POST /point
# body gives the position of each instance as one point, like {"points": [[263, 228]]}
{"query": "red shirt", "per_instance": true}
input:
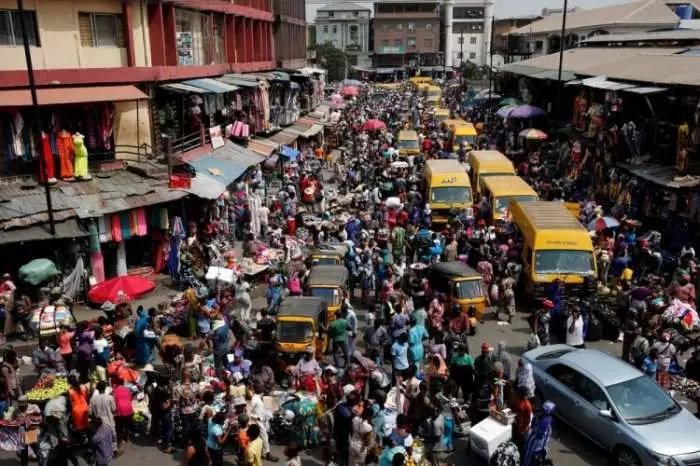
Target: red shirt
{"points": [[523, 413]]}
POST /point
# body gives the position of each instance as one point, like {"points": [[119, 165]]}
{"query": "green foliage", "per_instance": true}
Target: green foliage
{"points": [[332, 59]]}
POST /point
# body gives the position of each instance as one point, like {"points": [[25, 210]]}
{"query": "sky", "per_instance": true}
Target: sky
{"points": [[504, 8]]}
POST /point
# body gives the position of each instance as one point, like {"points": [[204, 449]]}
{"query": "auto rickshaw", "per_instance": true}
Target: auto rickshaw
{"points": [[328, 254], [300, 324], [328, 282], [461, 285]]}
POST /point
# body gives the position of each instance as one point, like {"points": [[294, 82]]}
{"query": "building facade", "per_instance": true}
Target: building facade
{"points": [[467, 35], [346, 26], [290, 33], [407, 34]]}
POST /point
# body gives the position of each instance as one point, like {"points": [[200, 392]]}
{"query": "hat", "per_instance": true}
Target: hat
{"points": [[237, 376], [108, 306], [202, 292], [22, 400], [6, 276], [239, 401], [485, 346], [331, 369], [548, 304], [309, 349], [148, 368], [348, 389]]}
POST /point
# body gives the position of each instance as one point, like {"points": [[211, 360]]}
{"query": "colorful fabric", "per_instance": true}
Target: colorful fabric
{"points": [[81, 156], [141, 222], [66, 152], [104, 227], [116, 226], [125, 225]]}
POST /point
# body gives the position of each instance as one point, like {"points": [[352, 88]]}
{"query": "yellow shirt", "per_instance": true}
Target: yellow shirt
{"points": [[253, 456]]}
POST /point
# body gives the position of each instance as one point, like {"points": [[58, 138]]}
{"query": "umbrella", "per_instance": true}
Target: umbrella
{"points": [[352, 82], [602, 223], [289, 153], [120, 289], [37, 271], [350, 91], [526, 111], [373, 125], [504, 112], [533, 134], [509, 101]]}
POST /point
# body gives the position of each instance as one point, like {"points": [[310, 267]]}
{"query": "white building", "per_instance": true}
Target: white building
{"points": [[544, 36], [346, 25], [467, 31]]}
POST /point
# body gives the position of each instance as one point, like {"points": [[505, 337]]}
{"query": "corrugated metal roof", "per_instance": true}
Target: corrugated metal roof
{"points": [[183, 88], [211, 85], [601, 82], [672, 35], [285, 137], [238, 81], [652, 13], [263, 146], [67, 229], [70, 95]]}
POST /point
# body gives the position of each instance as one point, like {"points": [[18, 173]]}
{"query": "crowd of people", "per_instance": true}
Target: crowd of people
{"points": [[402, 379]]}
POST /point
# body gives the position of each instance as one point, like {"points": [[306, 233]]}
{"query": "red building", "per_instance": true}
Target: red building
{"points": [[290, 33]]}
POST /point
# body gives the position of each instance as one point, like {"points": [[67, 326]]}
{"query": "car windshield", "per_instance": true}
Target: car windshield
{"points": [[328, 295], [451, 194], [641, 401], [325, 261], [564, 261], [294, 332], [503, 202], [465, 139], [408, 144], [469, 289]]}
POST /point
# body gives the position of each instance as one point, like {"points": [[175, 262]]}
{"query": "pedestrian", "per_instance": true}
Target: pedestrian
{"points": [[574, 329], [196, 452], [291, 453], [665, 351], [525, 380], [217, 436], [102, 442], [399, 358], [537, 443], [102, 406], [123, 412], [339, 333], [523, 416], [254, 453]]}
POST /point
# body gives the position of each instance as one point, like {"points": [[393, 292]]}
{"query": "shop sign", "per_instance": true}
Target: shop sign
{"points": [[391, 50], [185, 52]]}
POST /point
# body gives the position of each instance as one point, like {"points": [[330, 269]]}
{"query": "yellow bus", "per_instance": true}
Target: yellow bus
{"points": [[501, 190], [488, 163], [420, 81], [442, 114], [463, 134], [408, 142], [447, 188], [555, 245]]}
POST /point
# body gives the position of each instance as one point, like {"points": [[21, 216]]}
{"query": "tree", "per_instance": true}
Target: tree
{"points": [[332, 59]]}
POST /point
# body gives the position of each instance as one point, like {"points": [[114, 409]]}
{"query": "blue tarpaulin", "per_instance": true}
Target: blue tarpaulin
{"points": [[289, 153]]}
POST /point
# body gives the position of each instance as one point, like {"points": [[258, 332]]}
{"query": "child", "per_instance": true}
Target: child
{"points": [[649, 364]]}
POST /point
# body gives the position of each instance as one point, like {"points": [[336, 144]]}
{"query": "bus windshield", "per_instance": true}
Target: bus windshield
{"points": [[564, 262], [459, 194]]}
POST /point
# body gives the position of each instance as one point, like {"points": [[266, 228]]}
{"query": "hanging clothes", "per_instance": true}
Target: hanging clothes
{"points": [[104, 228], [47, 156], [66, 153], [106, 122], [141, 222], [125, 226], [94, 238], [18, 146], [97, 265], [81, 157], [121, 259], [116, 227], [133, 222]]}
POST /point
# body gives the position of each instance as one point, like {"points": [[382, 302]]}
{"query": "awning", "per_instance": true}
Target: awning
{"points": [[601, 82], [285, 137], [221, 167], [662, 175], [289, 153], [183, 88], [64, 230], [211, 85], [553, 75], [264, 147], [385, 70], [646, 90], [312, 70], [70, 95], [574, 82], [238, 81], [313, 131]]}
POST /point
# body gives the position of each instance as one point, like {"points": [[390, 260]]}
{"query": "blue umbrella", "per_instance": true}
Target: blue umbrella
{"points": [[504, 112], [289, 153], [352, 82]]}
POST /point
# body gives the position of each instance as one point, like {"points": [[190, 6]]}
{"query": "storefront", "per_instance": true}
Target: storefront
{"points": [[78, 126]]}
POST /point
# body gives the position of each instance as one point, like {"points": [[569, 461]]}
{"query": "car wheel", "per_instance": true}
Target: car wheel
{"points": [[626, 457]]}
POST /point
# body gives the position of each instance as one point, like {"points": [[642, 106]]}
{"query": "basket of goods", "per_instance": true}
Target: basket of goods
{"points": [[47, 388]]}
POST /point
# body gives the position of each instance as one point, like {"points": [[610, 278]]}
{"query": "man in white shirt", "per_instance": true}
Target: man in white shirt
{"points": [[257, 414], [574, 329]]}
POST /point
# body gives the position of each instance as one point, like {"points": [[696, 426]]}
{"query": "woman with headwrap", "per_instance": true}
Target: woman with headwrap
{"points": [[144, 344], [524, 379], [502, 356], [540, 434]]}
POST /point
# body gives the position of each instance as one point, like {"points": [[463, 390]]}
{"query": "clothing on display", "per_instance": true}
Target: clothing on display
{"points": [[66, 154], [81, 157], [48, 172]]}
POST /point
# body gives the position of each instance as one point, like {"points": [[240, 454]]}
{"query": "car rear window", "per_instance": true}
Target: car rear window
{"points": [[554, 354]]}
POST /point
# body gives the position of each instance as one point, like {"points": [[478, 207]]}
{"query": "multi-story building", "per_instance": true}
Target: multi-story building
{"points": [[467, 35], [290, 33], [407, 34], [508, 47], [346, 26]]}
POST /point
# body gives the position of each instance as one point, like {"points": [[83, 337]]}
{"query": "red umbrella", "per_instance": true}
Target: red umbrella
{"points": [[373, 125], [350, 90], [120, 289]]}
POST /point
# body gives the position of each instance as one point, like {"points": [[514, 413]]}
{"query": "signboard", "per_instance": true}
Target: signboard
{"points": [[217, 140], [185, 52], [391, 50]]}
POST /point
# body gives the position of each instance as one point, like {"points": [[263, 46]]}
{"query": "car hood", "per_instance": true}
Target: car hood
{"points": [[677, 435]]}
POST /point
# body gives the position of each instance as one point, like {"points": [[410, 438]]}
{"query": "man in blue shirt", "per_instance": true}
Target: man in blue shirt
{"points": [[399, 356], [221, 344]]}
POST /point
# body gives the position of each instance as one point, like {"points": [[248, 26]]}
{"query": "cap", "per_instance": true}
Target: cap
{"points": [[242, 418], [309, 349], [148, 368], [348, 389], [331, 369], [237, 376], [485, 346], [547, 303]]}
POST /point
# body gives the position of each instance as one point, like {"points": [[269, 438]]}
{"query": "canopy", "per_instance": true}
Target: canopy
{"points": [[526, 111], [352, 82], [120, 289], [603, 223], [504, 111], [289, 153], [350, 91], [533, 134], [373, 125]]}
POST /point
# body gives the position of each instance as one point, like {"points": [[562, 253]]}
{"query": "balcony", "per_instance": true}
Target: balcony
{"points": [[408, 15]]}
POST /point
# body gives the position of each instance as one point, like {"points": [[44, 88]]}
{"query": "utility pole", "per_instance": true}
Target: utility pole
{"points": [[491, 83], [461, 56], [562, 42], [37, 114]]}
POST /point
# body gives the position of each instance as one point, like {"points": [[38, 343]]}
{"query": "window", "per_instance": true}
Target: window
{"points": [[101, 30], [428, 26], [472, 40], [539, 45], [460, 41], [472, 28], [334, 29], [11, 28], [460, 55], [331, 14], [385, 43], [411, 27], [325, 29], [399, 27], [591, 392], [398, 43], [468, 12], [564, 375], [354, 34], [411, 42], [472, 55], [428, 43]]}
